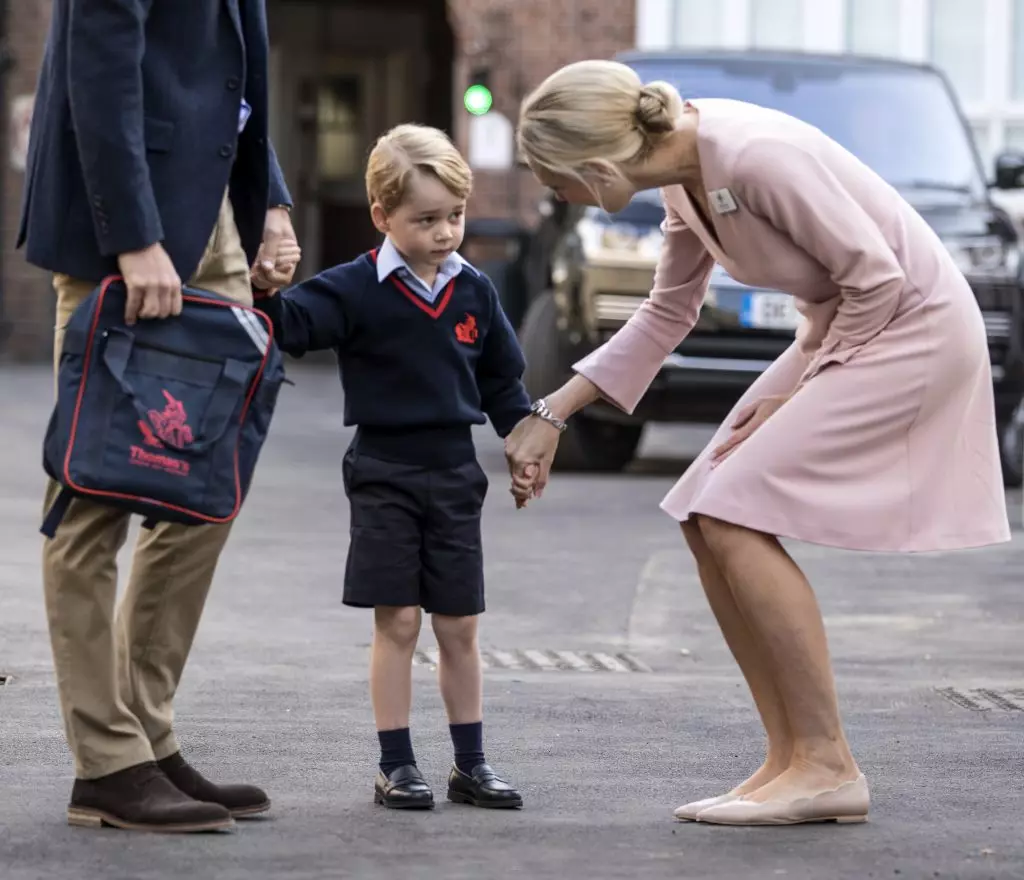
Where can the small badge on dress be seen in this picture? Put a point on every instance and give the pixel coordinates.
(722, 201)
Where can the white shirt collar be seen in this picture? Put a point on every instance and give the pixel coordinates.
(389, 260)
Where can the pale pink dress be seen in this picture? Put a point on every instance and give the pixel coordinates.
(890, 442)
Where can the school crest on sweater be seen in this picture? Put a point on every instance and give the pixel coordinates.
(466, 330)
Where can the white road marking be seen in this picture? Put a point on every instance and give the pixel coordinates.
(636, 664)
(609, 662)
(571, 658)
(506, 659)
(540, 659)
(668, 596)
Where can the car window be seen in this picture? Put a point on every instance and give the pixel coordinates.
(902, 123)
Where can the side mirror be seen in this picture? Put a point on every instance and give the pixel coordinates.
(1010, 170)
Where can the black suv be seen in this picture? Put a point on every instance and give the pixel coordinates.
(593, 269)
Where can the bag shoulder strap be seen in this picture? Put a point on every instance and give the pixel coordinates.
(55, 515)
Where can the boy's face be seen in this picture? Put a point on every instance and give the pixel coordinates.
(429, 224)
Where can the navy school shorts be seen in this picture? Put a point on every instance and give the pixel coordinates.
(415, 535)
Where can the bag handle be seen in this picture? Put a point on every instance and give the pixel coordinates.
(233, 378)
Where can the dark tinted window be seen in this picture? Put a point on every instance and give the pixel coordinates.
(901, 123)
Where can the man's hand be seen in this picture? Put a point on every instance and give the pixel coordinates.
(277, 229)
(281, 273)
(154, 288)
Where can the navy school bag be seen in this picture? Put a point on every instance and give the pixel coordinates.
(165, 418)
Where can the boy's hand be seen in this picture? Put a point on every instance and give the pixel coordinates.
(268, 275)
(522, 486)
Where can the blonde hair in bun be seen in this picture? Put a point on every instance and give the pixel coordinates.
(594, 112)
(658, 108)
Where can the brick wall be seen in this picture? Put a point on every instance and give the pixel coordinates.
(26, 298)
(522, 42)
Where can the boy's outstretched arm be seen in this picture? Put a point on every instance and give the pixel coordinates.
(311, 316)
(499, 373)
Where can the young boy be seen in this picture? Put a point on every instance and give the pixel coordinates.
(425, 351)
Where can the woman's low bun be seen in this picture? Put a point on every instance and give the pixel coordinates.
(658, 108)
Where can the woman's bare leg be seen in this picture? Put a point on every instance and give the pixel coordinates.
(751, 659)
(779, 607)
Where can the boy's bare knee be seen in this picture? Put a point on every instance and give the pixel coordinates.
(400, 626)
(455, 634)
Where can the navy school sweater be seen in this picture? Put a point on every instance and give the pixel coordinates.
(416, 376)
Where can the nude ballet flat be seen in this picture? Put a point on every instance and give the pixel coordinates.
(688, 812)
(846, 804)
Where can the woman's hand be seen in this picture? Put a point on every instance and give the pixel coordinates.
(530, 447)
(748, 420)
(530, 450)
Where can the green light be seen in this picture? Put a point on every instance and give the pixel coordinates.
(478, 99)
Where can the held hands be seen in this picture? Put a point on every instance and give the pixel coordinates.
(154, 288)
(523, 486)
(530, 450)
(274, 274)
(279, 254)
(530, 447)
(748, 420)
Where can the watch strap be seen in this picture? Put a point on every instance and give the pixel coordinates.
(540, 409)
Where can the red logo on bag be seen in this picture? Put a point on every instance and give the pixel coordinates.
(466, 331)
(148, 437)
(170, 426)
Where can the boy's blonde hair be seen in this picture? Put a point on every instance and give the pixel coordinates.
(407, 148)
(596, 112)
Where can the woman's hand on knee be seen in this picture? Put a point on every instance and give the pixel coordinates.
(748, 420)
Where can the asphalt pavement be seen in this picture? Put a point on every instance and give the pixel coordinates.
(610, 696)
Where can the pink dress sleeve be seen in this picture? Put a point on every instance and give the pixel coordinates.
(801, 197)
(624, 367)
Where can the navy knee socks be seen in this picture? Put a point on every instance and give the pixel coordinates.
(395, 749)
(468, 740)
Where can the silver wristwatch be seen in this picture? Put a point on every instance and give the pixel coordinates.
(540, 409)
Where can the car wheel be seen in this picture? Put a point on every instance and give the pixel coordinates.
(1011, 448)
(587, 444)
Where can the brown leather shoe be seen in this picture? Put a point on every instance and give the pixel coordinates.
(239, 800)
(142, 798)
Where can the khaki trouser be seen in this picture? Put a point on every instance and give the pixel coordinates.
(116, 676)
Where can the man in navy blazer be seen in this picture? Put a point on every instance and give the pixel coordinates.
(148, 157)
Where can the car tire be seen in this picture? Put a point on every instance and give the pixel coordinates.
(1011, 448)
(587, 444)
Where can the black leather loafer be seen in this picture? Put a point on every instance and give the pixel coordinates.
(403, 789)
(482, 788)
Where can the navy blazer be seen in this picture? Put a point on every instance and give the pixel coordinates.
(135, 132)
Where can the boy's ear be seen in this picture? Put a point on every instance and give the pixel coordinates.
(380, 218)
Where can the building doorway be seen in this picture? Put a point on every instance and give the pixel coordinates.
(343, 72)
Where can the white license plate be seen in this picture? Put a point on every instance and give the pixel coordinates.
(769, 311)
